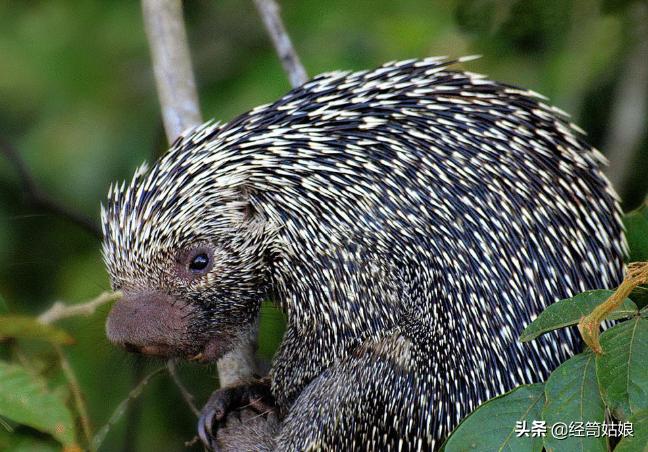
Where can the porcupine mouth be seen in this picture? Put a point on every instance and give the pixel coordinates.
(208, 354)
(161, 350)
(212, 351)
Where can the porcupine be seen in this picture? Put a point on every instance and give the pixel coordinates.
(409, 220)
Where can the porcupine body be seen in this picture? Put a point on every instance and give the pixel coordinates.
(410, 221)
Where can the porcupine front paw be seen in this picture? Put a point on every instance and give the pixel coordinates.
(239, 418)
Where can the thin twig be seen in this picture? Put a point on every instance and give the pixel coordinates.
(172, 65)
(39, 198)
(121, 408)
(269, 12)
(77, 395)
(60, 310)
(133, 414)
(590, 325)
(186, 395)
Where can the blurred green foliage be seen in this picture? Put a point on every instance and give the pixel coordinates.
(78, 101)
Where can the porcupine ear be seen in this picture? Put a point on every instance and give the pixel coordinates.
(254, 218)
(235, 197)
(249, 211)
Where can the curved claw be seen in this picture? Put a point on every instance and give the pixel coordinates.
(205, 426)
(226, 401)
(212, 413)
(205, 433)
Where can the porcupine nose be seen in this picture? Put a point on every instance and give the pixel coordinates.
(147, 322)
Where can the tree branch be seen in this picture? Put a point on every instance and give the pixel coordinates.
(60, 310)
(39, 198)
(186, 395)
(77, 396)
(628, 119)
(174, 76)
(133, 415)
(121, 408)
(180, 110)
(269, 12)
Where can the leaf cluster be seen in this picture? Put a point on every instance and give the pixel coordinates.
(587, 389)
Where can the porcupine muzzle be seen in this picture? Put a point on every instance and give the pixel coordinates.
(150, 323)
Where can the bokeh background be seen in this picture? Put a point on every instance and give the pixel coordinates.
(78, 102)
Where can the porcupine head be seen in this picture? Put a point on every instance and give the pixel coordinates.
(184, 246)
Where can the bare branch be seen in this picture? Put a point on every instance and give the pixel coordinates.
(590, 325)
(60, 310)
(39, 198)
(121, 408)
(180, 110)
(269, 12)
(133, 414)
(628, 119)
(172, 65)
(77, 395)
(240, 364)
(186, 395)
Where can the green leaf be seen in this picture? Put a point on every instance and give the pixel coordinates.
(26, 400)
(640, 296)
(3, 305)
(569, 311)
(492, 426)
(622, 369)
(18, 441)
(636, 225)
(572, 395)
(24, 327)
(639, 440)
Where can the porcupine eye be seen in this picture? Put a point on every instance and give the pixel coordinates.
(199, 262)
